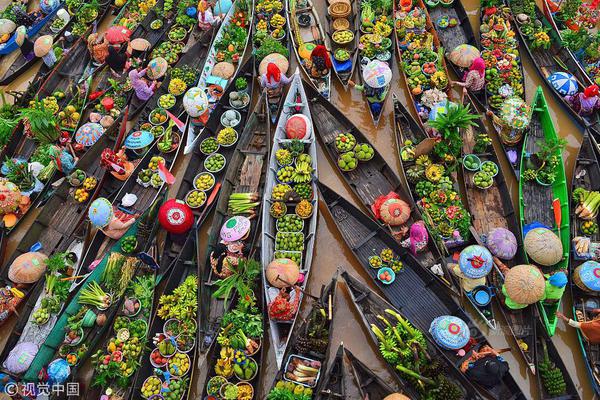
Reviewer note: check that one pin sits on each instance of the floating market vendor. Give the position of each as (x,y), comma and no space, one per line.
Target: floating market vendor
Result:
(523,285)
(514,118)
(589,328)
(98,48)
(473,79)
(206,18)
(43,48)
(24,43)
(320,62)
(117,59)
(486,367)
(587,102)
(114,223)
(377,76)
(273,80)
(143,90)
(63,159)
(555,287)
(474,263)
(232,248)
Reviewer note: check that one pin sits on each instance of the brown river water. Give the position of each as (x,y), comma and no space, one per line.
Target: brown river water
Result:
(331,252)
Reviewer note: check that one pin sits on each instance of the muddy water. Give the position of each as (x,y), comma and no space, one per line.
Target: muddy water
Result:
(331,251)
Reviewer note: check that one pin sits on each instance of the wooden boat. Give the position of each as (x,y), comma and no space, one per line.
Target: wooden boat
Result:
(370,385)
(371,307)
(332,385)
(586,175)
(344,69)
(245,174)
(382,52)
(214,85)
(557,58)
(61,221)
(197,158)
(20,64)
(550,9)
(304,37)
(452,36)
(417,296)
(512,145)
(144,230)
(32,32)
(372,179)
(181,265)
(296,103)
(21,147)
(302,346)
(548,205)
(276,97)
(405,57)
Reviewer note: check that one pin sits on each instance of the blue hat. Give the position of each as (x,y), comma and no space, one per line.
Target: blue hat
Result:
(559,279)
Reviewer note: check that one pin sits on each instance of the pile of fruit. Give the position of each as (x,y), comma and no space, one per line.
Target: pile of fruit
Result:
(186,73)
(177,86)
(158,116)
(279,191)
(284,157)
(214,163)
(83,193)
(177,33)
(167,101)
(386,258)
(227,137)
(209,145)
(195,198)
(364,151)
(204,181)
(304,209)
(179,364)
(170,51)
(290,241)
(347,161)
(128,244)
(69,118)
(345,142)
(290,223)
(144,177)
(483,180)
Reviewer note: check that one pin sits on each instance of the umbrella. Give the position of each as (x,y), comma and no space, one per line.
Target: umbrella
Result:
(117,34)
(475,261)
(235,228)
(195,102)
(89,133)
(100,212)
(7,26)
(564,83)
(43,45)
(175,217)
(524,284)
(157,68)
(463,55)
(450,332)
(278,59)
(377,74)
(588,274)
(20,35)
(140,44)
(139,140)
(515,113)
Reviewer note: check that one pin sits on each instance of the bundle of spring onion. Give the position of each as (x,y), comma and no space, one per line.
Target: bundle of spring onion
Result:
(93,295)
(588,203)
(244,203)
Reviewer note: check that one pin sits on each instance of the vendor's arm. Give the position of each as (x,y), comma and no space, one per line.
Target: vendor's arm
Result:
(352,84)
(571,322)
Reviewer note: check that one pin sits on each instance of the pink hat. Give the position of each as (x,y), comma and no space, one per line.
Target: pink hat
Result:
(235,228)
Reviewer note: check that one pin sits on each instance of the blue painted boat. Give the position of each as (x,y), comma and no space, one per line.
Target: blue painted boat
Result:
(10,45)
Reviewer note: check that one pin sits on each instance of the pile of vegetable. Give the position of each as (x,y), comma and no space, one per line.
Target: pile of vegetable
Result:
(422,62)
(56,289)
(179,311)
(503,75)
(405,348)
(376,25)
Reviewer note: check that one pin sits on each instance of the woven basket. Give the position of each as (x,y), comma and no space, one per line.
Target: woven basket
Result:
(339,24)
(339,9)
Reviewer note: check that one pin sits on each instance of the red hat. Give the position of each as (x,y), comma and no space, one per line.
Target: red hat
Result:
(321,51)
(176,217)
(273,73)
(591,91)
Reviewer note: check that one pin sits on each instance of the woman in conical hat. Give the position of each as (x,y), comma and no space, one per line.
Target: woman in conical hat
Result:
(586,102)
(273,80)
(98,48)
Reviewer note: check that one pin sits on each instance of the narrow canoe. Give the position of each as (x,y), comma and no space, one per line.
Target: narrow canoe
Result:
(586,175)
(557,58)
(370,385)
(344,69)
(371,179)
(305,37)
(11,44)
(296,103)
(332,385)
(245,174)
(419,297)
(536,200)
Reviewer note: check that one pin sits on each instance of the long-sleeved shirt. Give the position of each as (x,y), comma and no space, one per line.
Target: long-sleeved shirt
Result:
(283,80)
(143,91)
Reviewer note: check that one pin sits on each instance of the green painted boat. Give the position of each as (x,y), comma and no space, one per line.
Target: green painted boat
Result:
(536,200)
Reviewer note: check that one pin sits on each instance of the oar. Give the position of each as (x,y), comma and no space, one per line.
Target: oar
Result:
(557,213)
